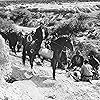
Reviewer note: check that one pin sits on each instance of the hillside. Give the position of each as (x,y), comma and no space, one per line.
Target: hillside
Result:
(41,86)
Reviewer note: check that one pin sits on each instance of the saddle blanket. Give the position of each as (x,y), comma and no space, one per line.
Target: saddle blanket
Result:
(46,53)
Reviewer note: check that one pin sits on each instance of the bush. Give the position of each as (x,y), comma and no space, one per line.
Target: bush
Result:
(22,15)
(6,24)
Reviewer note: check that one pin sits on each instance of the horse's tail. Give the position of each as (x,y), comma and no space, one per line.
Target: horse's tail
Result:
(23,55)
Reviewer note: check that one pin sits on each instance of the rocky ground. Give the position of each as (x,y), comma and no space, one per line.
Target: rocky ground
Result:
(40,85)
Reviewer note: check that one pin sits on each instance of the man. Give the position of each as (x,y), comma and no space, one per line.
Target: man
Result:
(86,72)
(95,64)
(77,60)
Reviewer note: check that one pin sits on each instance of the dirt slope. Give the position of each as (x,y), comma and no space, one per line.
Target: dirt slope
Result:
(41,84)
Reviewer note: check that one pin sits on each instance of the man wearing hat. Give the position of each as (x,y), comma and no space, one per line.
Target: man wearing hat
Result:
(86,71)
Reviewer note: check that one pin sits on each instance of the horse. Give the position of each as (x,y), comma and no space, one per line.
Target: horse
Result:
(31,48)
(12,38)
(63,57)
(58,46)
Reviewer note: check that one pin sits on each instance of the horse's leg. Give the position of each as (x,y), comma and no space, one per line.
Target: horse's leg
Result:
(53,64)
(14,50)
(18,47)
(55,59)
(59,59)
(31,61)
(24,55)
(10,46)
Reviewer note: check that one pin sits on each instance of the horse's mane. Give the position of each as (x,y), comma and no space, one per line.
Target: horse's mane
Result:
(63,37)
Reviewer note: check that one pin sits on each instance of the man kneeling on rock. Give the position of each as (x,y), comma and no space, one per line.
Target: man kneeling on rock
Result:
(86,72)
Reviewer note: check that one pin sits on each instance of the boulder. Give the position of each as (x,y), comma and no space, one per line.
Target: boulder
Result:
(5,65)
(23,90)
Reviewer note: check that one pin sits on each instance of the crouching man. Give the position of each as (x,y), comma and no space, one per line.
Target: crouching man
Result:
(86,72)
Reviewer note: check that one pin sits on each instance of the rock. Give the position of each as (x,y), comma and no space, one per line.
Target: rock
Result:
(5,65)
(23,90)
(3,53)
(18,74)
